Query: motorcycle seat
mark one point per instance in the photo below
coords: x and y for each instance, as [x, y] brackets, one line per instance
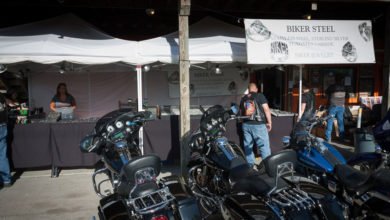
[257, 184]
[253, 184]
[382, 177]
[353, 179]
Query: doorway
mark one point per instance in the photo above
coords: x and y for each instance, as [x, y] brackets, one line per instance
[270, 82]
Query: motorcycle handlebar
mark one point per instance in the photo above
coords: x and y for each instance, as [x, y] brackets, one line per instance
[318, 121]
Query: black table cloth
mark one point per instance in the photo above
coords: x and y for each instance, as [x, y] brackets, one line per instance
[31, 146]
[65, 139]
[57, 144]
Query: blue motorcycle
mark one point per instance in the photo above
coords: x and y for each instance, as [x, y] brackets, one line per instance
[381, 132]
[365, 194]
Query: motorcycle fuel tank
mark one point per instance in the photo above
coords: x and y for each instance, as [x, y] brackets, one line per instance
[322, 158]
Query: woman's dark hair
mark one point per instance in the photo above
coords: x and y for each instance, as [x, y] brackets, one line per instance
[305, 85]
[58, 89]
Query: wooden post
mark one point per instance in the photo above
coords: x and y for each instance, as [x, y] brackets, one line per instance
[386, 68]
[184, 63]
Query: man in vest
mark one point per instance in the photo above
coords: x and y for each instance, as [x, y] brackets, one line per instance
[256, 127]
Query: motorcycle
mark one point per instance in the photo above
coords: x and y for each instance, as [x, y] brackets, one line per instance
[381, 132]
[227, 187]
[136, 191]
[364, 193]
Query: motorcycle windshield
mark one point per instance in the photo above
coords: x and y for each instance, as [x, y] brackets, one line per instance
[223, 145]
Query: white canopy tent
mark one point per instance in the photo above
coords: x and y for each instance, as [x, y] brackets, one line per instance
[63, 38]
[68, 38]
[210, 40]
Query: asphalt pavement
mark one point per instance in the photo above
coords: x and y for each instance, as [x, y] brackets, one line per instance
[35, 195]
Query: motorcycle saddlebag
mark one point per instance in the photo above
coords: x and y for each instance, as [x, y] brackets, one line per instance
[112, 208]
[186, 204]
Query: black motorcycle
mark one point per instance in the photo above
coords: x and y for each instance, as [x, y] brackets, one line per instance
[136, 191]
[226, 186]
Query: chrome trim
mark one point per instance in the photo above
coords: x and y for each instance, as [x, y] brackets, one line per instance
[282, 169]
[97, 191]
[293, 198]
[151, 202]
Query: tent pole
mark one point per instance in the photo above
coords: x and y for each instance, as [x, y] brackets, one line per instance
[184, 63]
[300, 89]
[386, 67]
[140, 108]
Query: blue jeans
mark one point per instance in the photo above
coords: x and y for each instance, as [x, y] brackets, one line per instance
[257, 134]
[5, 175]
[338, 112]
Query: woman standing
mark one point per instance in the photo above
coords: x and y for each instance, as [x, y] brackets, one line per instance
[62, 98]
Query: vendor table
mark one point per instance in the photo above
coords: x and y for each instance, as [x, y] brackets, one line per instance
[57, 144]
[51, 144]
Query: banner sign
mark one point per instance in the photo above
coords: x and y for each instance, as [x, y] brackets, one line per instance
[207, 83]
[309, 41]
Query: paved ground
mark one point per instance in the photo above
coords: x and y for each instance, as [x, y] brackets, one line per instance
[35, 195]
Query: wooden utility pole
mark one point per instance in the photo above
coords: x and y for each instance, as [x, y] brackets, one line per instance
[184, 63]
[386, 67]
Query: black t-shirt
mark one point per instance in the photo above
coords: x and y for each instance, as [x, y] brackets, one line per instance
[3, 110]
[260, 100]
[309, 99]
[337, 94]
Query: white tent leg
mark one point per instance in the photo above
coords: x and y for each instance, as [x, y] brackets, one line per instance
[300, 89]
[140, 108]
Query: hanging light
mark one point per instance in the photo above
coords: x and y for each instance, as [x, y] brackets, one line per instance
[150, 11]
[280, 68]
[3, 68]
[62, 69]
[218, 69]
[146, 68]
[307, 16]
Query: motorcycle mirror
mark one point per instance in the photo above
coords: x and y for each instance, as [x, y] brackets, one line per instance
[201, 109]
[153, 112]
[86, 144]
[234, 108]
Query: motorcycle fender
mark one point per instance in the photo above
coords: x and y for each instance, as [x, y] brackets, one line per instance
[188, 209]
